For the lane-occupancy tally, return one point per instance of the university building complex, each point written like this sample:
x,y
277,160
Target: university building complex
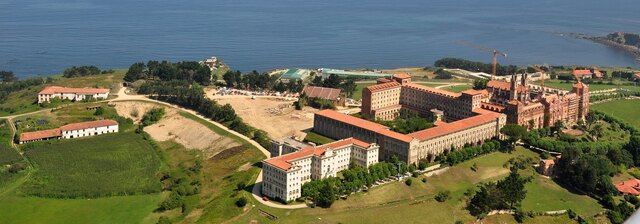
x,y
470,117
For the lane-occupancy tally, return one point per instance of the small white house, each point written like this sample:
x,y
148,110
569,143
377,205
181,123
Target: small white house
x,y
51,92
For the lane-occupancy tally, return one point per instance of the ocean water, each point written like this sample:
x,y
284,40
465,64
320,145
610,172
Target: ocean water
x,y
42,37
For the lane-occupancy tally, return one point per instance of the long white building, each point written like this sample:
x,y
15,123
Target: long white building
x,y
76,94
75,130
283,176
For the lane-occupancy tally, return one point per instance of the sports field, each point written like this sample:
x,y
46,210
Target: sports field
x,y
626,110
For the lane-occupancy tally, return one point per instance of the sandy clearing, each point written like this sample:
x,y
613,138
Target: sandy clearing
x,y
276,116
184,131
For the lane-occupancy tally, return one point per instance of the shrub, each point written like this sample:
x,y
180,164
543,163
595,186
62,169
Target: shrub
x,y
99,111
408,182
415,174
424,180
163,220
240,186
152,116
442,196
571,214
241,202
174,201
519,216
422,164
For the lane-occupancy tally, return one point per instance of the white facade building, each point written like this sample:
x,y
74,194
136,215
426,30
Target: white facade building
x,y
284,176
75,130
76,94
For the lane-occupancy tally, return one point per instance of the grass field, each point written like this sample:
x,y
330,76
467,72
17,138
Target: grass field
x,y
127,209
69,113
416,204
592,87
8,155
26,100
317,138
105,165
626,110
458,88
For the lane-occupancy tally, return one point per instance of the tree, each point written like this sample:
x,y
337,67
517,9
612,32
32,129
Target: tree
x,y
333,81
7,76
241,202
135,72
442,196
422,164
408,182
99,111
557,127
514,133
480,84
349,87
512,188
326,193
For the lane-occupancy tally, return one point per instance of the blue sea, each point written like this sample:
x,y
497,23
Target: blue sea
x,y
42,37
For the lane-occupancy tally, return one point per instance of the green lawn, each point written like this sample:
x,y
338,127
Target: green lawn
x,y
66,114
105,165
416,204
26,100
626,110
458,88
317,138
8,155
128,209
592,87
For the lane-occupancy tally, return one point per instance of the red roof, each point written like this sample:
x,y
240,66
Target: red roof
x,y
35,135
364,124
382,80
432,90
88,124
284,162
581,72
447,128
599,74
475,92
383,86
497,84
629,187
322,92
59,89
402,76
637,75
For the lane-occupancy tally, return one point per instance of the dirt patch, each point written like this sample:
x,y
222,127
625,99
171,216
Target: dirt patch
x,y
244,167
574,132
228,153
173,126
276,116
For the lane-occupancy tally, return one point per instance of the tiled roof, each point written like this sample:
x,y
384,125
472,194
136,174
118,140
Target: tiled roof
x,y
284,162
581,72
432,90
497,84
401,76
383,86
364,124
475,92
322,92
59,89
447,128
492,107
637,75
599,74
383,80
35,135
88,124
629,187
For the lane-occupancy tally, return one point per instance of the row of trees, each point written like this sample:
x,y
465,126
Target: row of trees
x,y
191,71
617,95
260,82
191,96
469,152
84,71
476,66
324,192
15,85
7,76
348,85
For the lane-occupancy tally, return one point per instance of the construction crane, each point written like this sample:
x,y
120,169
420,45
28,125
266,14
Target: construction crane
x,y
541,71
495,55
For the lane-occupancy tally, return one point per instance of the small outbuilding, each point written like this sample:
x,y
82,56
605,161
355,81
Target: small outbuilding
x,y
331,94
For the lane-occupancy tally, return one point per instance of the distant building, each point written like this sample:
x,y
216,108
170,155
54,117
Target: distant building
x,y
75,130
631,187
588,73
636,76
212,63
285,146
283,176
547,166
331,94
75,94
